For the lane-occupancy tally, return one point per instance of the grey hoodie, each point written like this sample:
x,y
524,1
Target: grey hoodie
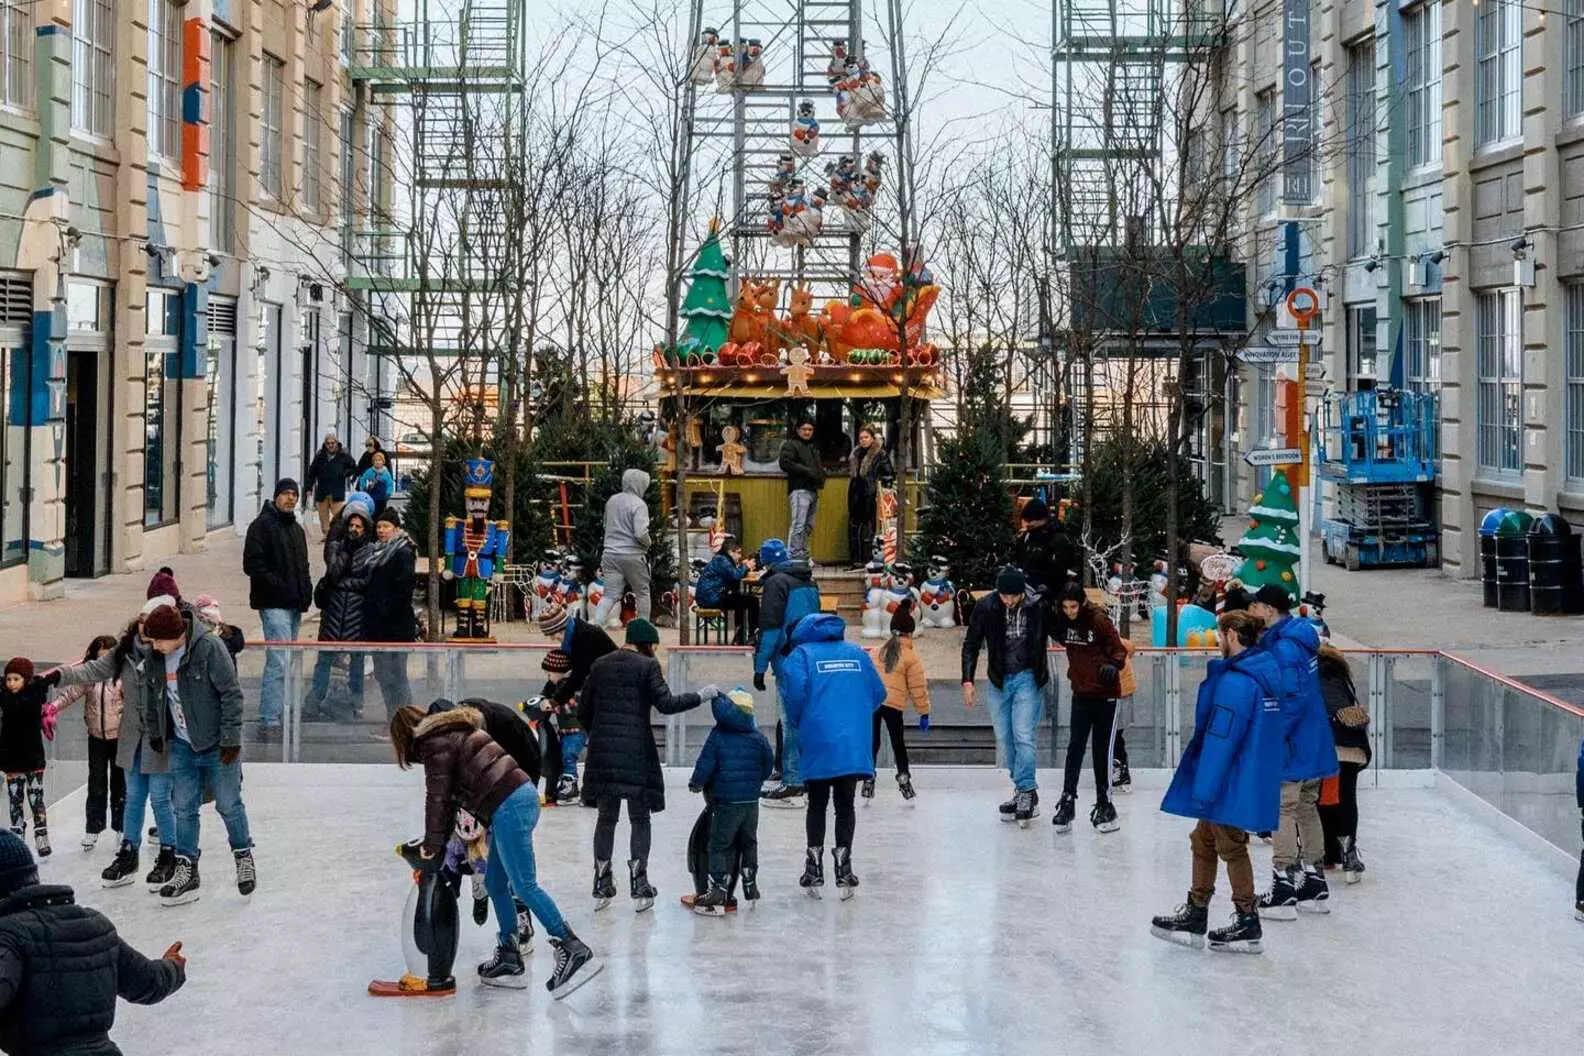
x,y
627,517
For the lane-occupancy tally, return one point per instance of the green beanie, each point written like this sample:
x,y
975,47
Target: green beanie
x,y
642,632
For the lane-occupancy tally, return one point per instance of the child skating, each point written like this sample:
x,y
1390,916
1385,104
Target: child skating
x,y
101,704
22,721
735,761
905,683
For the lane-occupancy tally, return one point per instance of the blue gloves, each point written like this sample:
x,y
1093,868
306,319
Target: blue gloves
x,y
923,723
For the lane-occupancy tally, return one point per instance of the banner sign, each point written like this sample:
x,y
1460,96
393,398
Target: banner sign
x,y
1297,130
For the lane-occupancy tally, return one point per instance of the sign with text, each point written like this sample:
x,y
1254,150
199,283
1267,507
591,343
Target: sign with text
x,y
1297,129
1293,338
1279,456
1268,354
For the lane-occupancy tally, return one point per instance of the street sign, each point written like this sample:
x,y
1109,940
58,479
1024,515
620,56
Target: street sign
x,y
1314,387
1314,371
1279,456
1294,338
1268,354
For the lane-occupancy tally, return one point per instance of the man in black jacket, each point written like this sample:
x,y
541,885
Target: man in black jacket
x,y
328,474
1010,626
805,473
581,641
275,560
62,966
1044,551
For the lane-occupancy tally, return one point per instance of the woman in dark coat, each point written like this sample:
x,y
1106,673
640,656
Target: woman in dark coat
x,y
342,598
388,617
623,761
1350,731
869,466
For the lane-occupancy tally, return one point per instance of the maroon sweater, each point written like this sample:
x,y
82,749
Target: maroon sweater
x,y
1091,642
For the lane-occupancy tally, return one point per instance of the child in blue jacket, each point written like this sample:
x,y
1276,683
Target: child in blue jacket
x,y
1230,780
734,763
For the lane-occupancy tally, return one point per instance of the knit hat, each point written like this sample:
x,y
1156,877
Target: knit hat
x,y
642,632
359,502
19,665
1036,510
902,621
208,608
1010,580
17,869
556,662
552,621
164,624
287,484
741,699
390,515
1237,600
1274,596
163,583
153,603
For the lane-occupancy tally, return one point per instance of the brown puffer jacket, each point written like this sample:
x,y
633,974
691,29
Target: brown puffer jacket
x,y
463,767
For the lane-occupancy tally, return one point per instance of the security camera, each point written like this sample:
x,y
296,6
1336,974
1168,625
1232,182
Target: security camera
x,y
1521,244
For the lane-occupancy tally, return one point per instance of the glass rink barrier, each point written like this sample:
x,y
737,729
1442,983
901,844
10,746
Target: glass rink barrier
x,y
1511,745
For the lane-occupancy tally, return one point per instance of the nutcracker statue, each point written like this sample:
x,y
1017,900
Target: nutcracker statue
x,y
472,549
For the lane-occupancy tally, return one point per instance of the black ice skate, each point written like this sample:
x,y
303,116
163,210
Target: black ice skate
x,y
247,872
905,786
183,886
567,789
846,882
1352,864
750,882
1185,927
1121,779
123,869
1578,911
164,869
1008,810
867,790
1025,808
712,903
1066,810
1313,893
41,840
643,892
575,964
1103,816
1281,901
813,877
505,969
604,885
1243,935
785,797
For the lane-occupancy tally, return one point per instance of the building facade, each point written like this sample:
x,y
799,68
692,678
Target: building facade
x,y
176,183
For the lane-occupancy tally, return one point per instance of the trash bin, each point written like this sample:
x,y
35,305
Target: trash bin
x,y
1512,561
1554,566
1487,549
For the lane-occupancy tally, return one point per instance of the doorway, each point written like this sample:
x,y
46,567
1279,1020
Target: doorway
x,y
82,463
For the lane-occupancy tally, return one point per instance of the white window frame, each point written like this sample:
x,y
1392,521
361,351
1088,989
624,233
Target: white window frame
x,y
1265,143
1422,28
222,139
93,68
1498,72
347,168
1573,58
1498,410
272,131
312,195
1422,320
164,80
1361,122
16,53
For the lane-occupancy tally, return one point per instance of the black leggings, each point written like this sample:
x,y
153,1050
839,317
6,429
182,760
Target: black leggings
x,y
1341,821
892,718
1092,718
605,827
819,794
746,607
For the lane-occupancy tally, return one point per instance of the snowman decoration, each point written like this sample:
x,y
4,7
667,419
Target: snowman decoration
x,y
569,589
802,215
877,586
805,137
836,69
702,70
938,596
1157,586
750,64
899,589
860,97
725,67
546,582
594,593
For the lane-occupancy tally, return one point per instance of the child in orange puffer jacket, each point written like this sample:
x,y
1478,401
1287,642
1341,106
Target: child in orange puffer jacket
x,y
903,674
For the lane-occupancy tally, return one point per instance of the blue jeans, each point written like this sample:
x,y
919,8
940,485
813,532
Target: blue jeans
x,y
1015,710
321,676
152,790
280,625
801,505
511,867
571,751
791,773
187,773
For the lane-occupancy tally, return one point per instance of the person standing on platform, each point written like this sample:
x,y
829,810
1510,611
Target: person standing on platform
x,y
805,473
275,560
789,595
1095,657
328,474
1350,731
625,559
870,468
1044,551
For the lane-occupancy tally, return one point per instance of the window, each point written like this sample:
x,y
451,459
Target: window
x,y
1316,123
1361,149
313,136
1361,349
1423,323
16,40
1498,404
1230,162
93,67
222,140
164,79
1265,148
347,31
271,135
1573,356
1498,70
161,405
1573,57
348,172
14,484
1423,83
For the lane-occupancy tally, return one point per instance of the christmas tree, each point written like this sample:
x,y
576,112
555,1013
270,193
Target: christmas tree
x,y
1270,546
707,306
967,511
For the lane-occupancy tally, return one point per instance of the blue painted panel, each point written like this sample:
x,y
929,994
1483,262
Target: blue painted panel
x,y
42,357
192,104
194,343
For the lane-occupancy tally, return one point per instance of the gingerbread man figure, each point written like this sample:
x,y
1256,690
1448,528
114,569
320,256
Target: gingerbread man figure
x,y
798,371
731,451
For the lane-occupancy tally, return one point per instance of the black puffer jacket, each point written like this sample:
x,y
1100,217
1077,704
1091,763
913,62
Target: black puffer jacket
x,y
388,606
62,966
1338,692
342,594
583,643
275,560
622,757
463,767
511,731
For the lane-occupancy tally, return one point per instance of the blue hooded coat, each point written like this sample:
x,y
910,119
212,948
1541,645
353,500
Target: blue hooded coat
x,y
736,759
1230,772
1311,750
719,578
789,595
831,691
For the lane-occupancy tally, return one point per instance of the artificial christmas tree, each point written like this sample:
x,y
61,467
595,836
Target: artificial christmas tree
x,y
1270,546
967,512
707,306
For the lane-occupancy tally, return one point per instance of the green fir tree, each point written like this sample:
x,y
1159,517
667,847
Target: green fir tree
x,y
708,305
1270,546
967,511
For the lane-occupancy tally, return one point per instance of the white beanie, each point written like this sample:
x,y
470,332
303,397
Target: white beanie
x,y
155,602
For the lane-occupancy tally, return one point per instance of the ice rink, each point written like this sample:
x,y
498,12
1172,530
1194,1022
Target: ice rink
x,y
968,936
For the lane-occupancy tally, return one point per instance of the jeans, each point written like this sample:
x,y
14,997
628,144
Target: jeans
x,y
1015,710
624,572
390,671
802,505
571,751
280,625
791,773
511,867
148,790
105,781
321,677
188,769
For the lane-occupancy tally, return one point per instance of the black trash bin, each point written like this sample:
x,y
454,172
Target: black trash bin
x,y
1554,566
1512,561
1487,549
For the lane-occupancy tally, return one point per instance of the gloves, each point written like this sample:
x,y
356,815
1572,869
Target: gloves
x,y
229,754
759,681
481,911
157,745
709,691
53,679
1110,674
695,789
50,713
924,723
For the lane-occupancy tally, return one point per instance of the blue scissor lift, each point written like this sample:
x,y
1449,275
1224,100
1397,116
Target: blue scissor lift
x,y
1380,447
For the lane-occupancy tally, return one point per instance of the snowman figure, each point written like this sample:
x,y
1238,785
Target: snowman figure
x,y
899,588
569,590
725,67
842,174
836,69
860,98
1157,585
750,60
594,593
805,131
775,219
704,54
874,170
547,582
938,596
803,215
877,584
785,173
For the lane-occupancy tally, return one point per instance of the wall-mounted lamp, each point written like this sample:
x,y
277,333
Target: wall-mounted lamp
x,y
1372,265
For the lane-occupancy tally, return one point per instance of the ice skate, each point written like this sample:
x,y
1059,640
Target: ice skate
x,y
1352,864
1313,893
905,786
90,840
123,869
1243,935
711,903
575,964
785,797
604,886
505,969
643,892
566,789
846,882
1184,927
750,882
1281,901
247,872
1578,911
1103,816
1066,810
41,841
867,790
164,869
1121,779
183,886
1027,809
1008,810
525,929
813,877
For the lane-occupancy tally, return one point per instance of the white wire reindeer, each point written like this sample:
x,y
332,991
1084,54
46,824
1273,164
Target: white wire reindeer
x,y
1120,593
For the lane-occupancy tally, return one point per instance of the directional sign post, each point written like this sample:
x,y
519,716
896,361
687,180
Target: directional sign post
x,y
1275,456
1304,304
1268,354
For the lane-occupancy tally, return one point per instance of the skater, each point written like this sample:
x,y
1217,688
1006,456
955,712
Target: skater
x,y
22,760
735,761
625,556
101,702
275,560
1121,776
1044,551
789,595
623,760
905,683
62,965
832,690
148,781
193,704
556,665
1298,858
1228,779
1095,658
1350,733
1011,627
581,640
465,768
720,587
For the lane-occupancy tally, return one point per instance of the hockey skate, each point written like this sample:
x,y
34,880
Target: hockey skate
x,y
1026,809
905,786
813,877
1121,779
1103,816
1313,894
866,791
1281,901
643,892
604,886
1243,935
1184,927
1352,864
1066,810
846,882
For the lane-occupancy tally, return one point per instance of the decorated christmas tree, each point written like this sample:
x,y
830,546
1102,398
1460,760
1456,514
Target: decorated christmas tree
x,y
707,306
1270,546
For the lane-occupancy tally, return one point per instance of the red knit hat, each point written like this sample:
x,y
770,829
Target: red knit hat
x,y
164,582
164,624
19,665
